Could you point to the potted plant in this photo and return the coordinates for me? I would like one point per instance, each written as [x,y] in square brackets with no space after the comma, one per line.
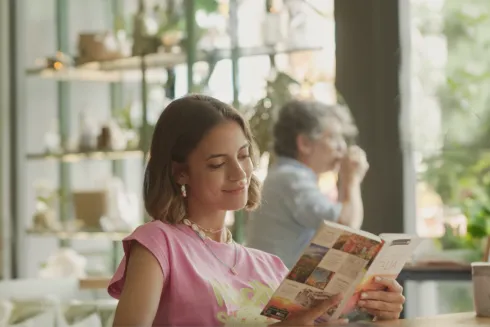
[478,230]
[262,115]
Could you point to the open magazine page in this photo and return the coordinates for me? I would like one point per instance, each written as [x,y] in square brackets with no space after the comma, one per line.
[330,265]
[389,262]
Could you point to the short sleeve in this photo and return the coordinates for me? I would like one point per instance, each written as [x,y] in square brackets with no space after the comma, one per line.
[153,238]
[311,206]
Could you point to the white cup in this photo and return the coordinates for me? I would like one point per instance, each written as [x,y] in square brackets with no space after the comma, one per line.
[481,288]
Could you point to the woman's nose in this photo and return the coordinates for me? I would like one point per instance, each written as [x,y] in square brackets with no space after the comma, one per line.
[237,173]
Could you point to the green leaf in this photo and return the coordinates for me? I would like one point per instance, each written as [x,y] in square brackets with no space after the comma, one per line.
[485,212]
[452,84]
[477,230]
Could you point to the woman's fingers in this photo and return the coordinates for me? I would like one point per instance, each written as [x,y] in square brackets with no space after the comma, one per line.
[387,304]
[384,296]
[308,317]
[382,315]
[391,284]
[381,305]
[321,308]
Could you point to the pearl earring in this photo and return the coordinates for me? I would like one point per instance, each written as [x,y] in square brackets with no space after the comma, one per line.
[183,190]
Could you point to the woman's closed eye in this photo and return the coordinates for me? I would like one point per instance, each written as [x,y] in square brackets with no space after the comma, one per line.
[244,156]
[216,165]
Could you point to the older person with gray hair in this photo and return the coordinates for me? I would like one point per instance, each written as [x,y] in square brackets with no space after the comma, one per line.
[309,139]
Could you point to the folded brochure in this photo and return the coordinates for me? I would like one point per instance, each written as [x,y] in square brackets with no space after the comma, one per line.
[340,260]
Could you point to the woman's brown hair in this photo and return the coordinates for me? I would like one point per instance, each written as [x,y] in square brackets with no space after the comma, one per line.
[180,128]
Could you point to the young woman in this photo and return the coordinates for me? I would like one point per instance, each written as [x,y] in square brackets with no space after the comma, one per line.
[183,268]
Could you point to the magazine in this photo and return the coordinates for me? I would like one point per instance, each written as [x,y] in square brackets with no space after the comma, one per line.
[342,260]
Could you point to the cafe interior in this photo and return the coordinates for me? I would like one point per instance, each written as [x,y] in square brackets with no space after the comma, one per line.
[82,84]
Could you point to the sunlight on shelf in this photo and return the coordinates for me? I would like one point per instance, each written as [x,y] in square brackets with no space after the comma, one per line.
[129,69]
[95,155]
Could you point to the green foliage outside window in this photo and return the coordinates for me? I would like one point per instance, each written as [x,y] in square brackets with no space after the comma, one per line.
[460,172]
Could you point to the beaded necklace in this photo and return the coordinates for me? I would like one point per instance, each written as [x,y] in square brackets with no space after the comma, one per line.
[202,235]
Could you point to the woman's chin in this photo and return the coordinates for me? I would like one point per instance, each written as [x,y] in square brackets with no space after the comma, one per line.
[235,205]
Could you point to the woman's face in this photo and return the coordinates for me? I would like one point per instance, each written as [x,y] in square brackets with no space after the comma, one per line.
[218,170]
[325,152]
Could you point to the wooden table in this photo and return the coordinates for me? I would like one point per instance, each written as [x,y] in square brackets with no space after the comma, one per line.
[450,320]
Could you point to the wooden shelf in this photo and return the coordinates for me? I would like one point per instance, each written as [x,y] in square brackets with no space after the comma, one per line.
[159,60]
[80,235]
[92,155]
[129,69]
[86,73]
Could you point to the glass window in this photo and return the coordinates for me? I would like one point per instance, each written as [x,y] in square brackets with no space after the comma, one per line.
[450,115]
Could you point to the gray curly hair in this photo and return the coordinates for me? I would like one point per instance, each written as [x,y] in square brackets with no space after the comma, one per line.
[306,117]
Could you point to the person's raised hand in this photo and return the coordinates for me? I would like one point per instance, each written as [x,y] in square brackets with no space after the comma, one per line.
[354,165]
[308,317]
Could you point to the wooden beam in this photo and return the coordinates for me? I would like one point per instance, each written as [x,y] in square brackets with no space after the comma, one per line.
[368,61]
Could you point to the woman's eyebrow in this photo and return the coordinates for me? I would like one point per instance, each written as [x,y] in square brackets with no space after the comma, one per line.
[218,155]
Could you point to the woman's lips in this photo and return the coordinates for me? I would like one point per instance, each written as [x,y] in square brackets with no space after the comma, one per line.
[235,191]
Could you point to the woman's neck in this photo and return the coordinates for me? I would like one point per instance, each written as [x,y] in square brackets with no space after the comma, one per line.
[210,221]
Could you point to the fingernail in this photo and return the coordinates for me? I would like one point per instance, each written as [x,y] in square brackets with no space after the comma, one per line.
[364,295]
[361,303]
[344,321]
[377,278]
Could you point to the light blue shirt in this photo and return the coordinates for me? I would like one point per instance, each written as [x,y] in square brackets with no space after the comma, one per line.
[292,209]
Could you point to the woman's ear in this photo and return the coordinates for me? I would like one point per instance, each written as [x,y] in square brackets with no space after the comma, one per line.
[303,144]
[180,173]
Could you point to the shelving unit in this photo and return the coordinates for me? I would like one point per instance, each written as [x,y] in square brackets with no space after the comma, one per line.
[89,155]
[129,69]
[67,158]
[79,235]
[145,69]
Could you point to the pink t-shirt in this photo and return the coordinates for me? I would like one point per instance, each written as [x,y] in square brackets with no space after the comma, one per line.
[198,289]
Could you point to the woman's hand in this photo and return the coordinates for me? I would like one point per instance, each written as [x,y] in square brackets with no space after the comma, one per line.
[308,317]
[385,304]
[354,165]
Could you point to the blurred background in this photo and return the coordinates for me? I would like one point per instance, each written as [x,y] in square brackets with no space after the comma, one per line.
[83,82]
